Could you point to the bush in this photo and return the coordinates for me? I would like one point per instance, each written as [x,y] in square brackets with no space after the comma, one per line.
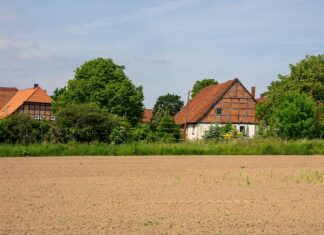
[20,128]
[219,132]
[143,132]
[87,123]
[215,132]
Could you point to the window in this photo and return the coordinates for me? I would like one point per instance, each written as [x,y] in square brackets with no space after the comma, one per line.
[37,117]
[218,111]
[242,129]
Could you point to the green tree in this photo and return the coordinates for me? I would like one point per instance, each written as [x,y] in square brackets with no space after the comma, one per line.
[167,130]
[103,82]
[168,103]
[57,93]
[200,84]
[295,117]
[305,77]
[87,123]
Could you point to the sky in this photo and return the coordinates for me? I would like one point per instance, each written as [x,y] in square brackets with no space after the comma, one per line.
[165,45]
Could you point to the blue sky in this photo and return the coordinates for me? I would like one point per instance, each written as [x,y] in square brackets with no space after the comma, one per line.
[165,45]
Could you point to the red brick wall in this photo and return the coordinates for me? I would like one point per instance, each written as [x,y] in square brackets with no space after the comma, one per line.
[237,107]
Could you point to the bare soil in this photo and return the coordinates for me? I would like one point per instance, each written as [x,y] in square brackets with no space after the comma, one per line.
[162,195]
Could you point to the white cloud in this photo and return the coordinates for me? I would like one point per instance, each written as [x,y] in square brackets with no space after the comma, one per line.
[24,50]
[155,10]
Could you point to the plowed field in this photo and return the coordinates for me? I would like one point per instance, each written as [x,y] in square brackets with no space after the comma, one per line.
[162,195]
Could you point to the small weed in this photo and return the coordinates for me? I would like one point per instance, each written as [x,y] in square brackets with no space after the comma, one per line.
[310,177]
[150,223]
[247,181]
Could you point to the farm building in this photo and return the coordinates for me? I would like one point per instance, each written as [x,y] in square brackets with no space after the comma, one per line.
[34,102]
[228,102]
[147,115]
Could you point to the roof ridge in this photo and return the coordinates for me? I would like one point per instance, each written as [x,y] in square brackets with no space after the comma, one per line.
[35,89]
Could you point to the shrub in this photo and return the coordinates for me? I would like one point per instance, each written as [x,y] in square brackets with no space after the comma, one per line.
[87,123]
[143,132]
[20,128]
[219,132]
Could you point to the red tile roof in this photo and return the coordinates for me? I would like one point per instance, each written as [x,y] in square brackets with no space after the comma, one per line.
[147,116]
[261,99]
[202,102]
[30,95]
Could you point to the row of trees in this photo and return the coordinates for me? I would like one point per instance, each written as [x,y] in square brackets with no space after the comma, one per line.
[99,104]
[102,104]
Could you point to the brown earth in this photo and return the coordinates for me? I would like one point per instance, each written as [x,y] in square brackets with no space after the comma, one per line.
[162,195]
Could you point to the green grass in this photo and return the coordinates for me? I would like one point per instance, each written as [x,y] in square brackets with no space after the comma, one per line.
[234,147]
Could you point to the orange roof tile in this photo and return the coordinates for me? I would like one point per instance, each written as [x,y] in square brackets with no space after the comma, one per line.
[30,95]
[202,102]
[40,96]
[147,115]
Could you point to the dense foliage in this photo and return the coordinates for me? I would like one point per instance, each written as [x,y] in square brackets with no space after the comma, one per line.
[168,103]
[104,83]
[294,117]
[88,123]
[22,129]
[305,82]
[166,130]
[200,84]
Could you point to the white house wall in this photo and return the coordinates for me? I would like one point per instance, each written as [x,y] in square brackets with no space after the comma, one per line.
[196,131]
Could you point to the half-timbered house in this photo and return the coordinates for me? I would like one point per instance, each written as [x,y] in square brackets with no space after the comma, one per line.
[228,102]
[34,102]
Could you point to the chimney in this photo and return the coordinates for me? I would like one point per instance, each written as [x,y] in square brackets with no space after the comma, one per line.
[253,91]
[35,85]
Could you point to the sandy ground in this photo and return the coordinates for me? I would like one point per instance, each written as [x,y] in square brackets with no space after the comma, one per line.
[162,195]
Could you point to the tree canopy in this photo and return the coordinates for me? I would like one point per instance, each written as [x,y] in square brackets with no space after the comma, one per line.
[307,77]
[200,84]
[104,83]
[306,81]
[168,103]
[294,117]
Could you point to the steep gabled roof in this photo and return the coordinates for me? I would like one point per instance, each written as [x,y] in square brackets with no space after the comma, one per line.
[147,115]
[202,102]
[30,95]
